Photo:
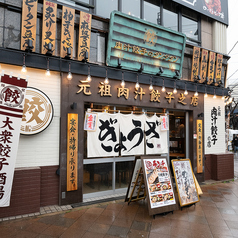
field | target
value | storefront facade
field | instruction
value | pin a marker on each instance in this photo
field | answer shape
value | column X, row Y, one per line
column 161, row 65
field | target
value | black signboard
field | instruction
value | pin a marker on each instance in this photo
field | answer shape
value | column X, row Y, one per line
column 216, row 9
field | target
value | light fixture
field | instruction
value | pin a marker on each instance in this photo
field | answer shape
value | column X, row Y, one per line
column 196, row 93
column 119, row 63
column 214, row 96
column 69, row 76
column 137, row 83
column 151, row 86
column 163, row 88
column 122, row 80
column 23, row 69
column 29, row 46
column 85, row 59
column 205, row 95
column 161, row 70
column 185, row 91
column 89, row 76
column 176, row 76
column 68, row 53
column 141, row 68
column 47, row 73
column 175, row 89
column 106, row 81
column 49, row 49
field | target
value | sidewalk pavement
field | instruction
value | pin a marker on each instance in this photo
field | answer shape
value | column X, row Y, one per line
column 216, row 215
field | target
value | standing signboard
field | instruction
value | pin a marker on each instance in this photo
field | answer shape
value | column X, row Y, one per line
column 160, row 193
column 184, row 178
column 12, row 96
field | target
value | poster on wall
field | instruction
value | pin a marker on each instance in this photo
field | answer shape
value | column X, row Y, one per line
column 214, row 125
column 158, row 183
column 184, row 178
column 12, row 96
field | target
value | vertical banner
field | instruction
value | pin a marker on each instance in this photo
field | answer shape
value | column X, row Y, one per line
column 28, row 25
column 84, row 35
column 156, row 139
column 211, row 66
column 132, row 134
column 219, row 67
column 48, row 26
column 72, row 152
column 12, row 96
column 214, row 125
column 203, row 68
column 67, row 31
column 105, row 140
column 199, row 147
column 195, row 63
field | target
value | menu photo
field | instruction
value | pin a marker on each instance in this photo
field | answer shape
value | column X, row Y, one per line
column 159, row 182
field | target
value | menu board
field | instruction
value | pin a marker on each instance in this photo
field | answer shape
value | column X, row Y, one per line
column 185, row 182
column 158, row 182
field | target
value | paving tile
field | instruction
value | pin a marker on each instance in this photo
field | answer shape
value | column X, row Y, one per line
column 122, row 222
column 95, row 210
column 142, row 226
column 89, row 234
column 197, row 219
column 216, row 230
column 155, row 235
column 108, row 220
column 109, row 212
column 137, row 234
column 216, row 221
column 118, row 231
column 99, row 228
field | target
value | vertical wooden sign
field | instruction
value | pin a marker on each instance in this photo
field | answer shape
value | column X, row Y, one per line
column 72, row 152
column 67, row 31
column 195, row 63
column 84, row 35
column 211, row 66
column 28, row 25
column 48, row 26
column 203, row 69
column 219, row 67
column 199, row 147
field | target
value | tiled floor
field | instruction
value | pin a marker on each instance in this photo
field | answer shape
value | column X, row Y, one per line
column 216, row 215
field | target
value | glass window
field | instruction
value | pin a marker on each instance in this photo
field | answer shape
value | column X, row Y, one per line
column 190, row 28
column 97, row 177
column 131, row 7
column 105, row 7
column 151, row 13
column 123, row 174
column 171, row 20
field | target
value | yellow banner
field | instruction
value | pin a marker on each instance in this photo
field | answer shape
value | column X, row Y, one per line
column 199, row 147
column 195, row 63
column 48, row 26
column 72, row 152
column 84, row 35
column 28, row 25
column 203, row 69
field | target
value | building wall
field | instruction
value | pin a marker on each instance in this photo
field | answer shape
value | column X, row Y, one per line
column 41, row 149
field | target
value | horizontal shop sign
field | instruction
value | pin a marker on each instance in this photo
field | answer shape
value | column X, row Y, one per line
column 136, row 42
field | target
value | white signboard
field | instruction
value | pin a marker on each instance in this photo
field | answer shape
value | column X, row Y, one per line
column 214, row 125
column 12, row 96
column 159, row 183
column 90, row 121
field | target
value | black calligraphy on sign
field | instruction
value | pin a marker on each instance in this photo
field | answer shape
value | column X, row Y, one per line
column 107, row 133
column 195, row 63
column 28, row 22
column 84, row 34
column 152, row 132
column 219, row 67
column 203, row 68
column 212, row 139
column 67, row 30
column 5, row 150
column 211, row 66
column 49, row 26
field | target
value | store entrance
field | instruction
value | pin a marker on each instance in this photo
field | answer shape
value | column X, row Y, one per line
column 177, row 135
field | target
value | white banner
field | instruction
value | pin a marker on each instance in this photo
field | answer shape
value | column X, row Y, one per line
column 12, row 95
column 214, row 123
column 132, row 134
column 156, row 139
column 105, row 140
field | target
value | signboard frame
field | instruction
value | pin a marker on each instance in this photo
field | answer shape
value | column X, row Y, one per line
column 138, row 42
column 190, row 172
column 165, row 208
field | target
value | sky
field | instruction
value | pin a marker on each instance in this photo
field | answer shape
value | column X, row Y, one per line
column 232, row 39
